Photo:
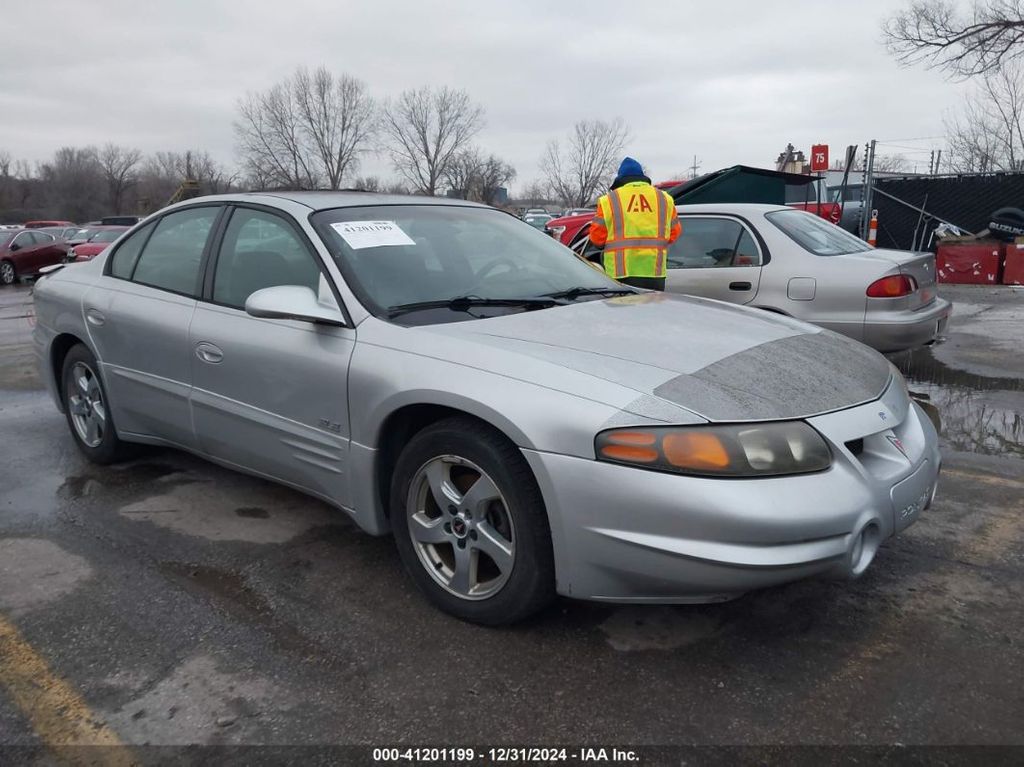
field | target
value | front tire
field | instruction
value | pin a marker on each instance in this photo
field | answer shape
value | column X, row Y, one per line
column 8, row 275
column 87, row 408
column 470, row 524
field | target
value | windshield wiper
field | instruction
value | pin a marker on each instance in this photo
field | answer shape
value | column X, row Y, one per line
column 573, row 293
column 464, row 303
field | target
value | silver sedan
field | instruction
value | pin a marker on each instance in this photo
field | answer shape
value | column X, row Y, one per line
column 792, row 262
column 521, row 424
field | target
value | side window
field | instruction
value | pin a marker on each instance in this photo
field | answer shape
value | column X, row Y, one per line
column 24, row 240
column 705, row 243
column 747, row 252
column 260, row 250
column 172, row 257
column 122, row 263
column 42, row 238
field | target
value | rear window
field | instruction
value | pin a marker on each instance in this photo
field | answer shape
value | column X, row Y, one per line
column 816, row 235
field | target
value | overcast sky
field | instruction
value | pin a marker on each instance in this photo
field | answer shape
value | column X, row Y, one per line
column 730, row 82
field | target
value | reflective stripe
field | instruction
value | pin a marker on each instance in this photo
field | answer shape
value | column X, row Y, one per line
column 617, row 220
column 597, row 220
column 637, row 242
column 662, row 215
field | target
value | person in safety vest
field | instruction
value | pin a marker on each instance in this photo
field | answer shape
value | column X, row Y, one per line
column 635, row 223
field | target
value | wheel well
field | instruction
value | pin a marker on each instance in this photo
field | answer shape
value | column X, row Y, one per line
column 395, row 433
column 58, row 351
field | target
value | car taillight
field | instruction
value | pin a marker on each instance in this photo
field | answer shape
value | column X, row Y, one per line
column 892, row 287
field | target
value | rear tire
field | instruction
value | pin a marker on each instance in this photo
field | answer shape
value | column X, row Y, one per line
column 470, row 524
column 8, row 275
column 86, row 407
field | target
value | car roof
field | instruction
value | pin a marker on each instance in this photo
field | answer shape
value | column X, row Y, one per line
column 739, row 208
column 325, row 200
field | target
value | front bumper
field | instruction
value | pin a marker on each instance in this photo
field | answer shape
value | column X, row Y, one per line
column 630, row 535
column 899, row 331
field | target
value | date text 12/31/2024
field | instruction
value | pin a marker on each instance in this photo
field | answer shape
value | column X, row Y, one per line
column 504, row 754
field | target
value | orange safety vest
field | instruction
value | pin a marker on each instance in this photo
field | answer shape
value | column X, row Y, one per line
column 639, row 221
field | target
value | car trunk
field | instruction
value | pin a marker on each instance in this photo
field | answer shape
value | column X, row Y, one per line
column 920, row 266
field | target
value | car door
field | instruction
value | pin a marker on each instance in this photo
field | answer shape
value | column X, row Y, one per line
column 138, row 314
column 716, row 256
column 23, row 253
column 270, row 395
column 47, row 251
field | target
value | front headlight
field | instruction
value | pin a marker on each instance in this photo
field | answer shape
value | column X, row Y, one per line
column 556, row 231
column 732, row 450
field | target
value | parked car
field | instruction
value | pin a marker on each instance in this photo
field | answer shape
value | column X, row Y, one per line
column 24, row 252
column 437, row 371
column 120, row 220
column 531, row 211
column 795, row 263
column 43, row 224
column 98, row 240
column 61, row 232
column 537, row 220
column 81, row 234
column 579, row 212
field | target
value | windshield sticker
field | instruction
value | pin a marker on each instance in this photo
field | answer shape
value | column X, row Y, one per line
column 372, row 234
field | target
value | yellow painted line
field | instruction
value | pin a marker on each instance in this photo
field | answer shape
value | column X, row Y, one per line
column 57, row 713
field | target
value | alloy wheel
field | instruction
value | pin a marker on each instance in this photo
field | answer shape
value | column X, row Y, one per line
column 460, row 526
column 85, row 402
column 6, row 272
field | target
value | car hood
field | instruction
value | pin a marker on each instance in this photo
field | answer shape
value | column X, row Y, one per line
column 722, row 362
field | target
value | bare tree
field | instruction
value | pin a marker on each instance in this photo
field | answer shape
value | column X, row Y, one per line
column 119, row 167
column 586, row 165
column 425, row 130
column 339, row 118
column 367, row 184
column 74, row 183
column 271, row 139
column 988, row 134
column 5, row 164
column 463, row 173
column 495, row 175
column 936, row 33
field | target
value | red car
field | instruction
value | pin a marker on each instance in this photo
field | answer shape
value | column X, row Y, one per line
column 23, row 253
column 41, row 224
column 98, row 241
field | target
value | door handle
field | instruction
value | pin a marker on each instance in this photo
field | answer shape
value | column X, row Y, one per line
column 207, row 352
column 94, row 317
column 739, row 286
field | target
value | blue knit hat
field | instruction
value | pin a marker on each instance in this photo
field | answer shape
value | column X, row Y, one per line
column 630, row 167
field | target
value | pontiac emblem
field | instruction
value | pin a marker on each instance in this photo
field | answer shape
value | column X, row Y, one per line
column 898, row 445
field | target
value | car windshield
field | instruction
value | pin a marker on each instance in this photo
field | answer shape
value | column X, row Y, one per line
column 106, row 235
column 398, row 255
column 815, row 234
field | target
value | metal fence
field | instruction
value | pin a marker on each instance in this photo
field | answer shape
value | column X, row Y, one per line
column 966, row 201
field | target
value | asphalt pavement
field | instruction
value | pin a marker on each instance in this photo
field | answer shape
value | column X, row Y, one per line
column 169, row 601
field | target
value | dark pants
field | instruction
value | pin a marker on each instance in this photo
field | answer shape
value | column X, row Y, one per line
column 650, row 283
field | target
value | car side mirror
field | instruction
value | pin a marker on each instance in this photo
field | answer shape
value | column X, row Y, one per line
column 291, row 302
column 15, row 246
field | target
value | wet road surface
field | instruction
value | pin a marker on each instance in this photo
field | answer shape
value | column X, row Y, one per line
column 184, row 603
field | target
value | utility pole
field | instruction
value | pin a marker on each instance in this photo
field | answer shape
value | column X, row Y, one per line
column 695, row 167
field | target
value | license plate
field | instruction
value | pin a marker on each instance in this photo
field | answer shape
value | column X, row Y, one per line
column 910, row 496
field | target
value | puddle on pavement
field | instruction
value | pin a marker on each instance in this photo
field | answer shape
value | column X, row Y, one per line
column 973, row 413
